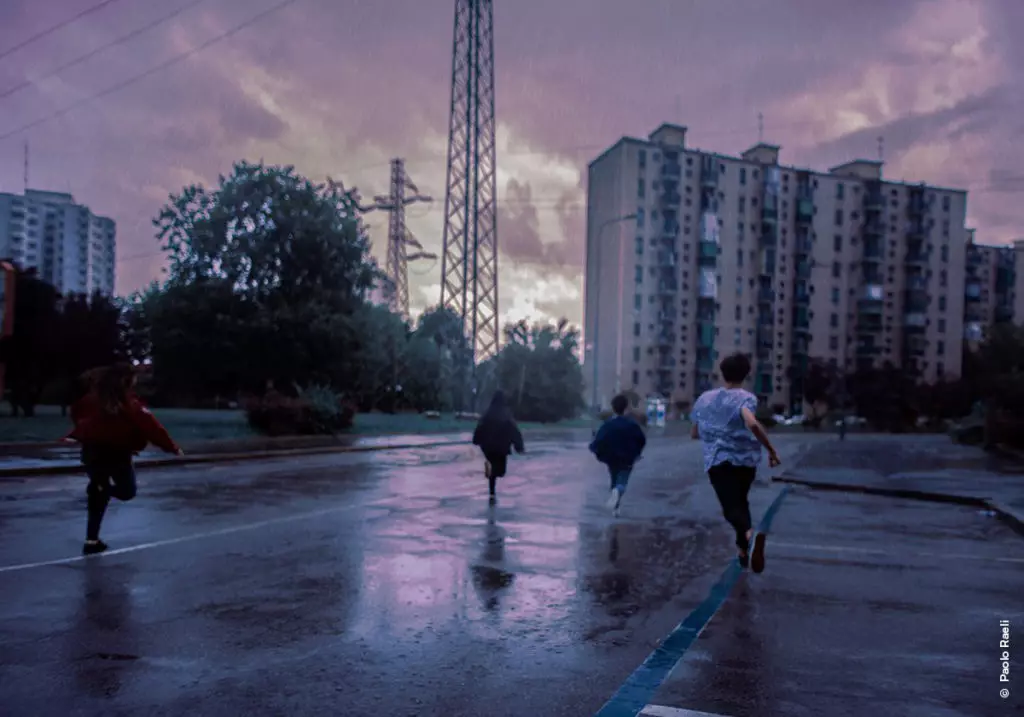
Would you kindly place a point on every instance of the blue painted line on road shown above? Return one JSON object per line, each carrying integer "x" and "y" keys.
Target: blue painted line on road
{"x": 639, "y": 688}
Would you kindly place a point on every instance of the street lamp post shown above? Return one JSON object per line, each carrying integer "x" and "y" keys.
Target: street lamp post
{"x": 593, "y": 341}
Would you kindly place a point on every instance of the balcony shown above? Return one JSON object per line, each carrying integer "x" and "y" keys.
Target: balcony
{"x": 873, "y": 251}
{"x": 974, "y": 331}
{"x": 803, "y": 270}
{"x": 763, "y": 384}
{"x": 915, "y": 321}
{"x": 916, "y": 230}
{"x": 804, "y": 246}
{"x": 770, "y": 210}
{"x": 972, "y": 292}
{"x": 707, "y": 250}
{"x": 874, "y": 202}
{"x": 916, "y": 206}
{"x": 670, "y": 228}
{"x": 765, "y": 295}
{"x": 1003, "y": 314}
{"x": 915, "y": 258}
{"x": 804, "y": 210}
{"x": 915, "y": 302}
{"x": 666, "y": 340}
{"x": 801, "y": 295}
{"x": 670, "y": 199}
{"x": 668, "y": 288}
{"x": 667, "y": 258}
{"x": 866, "y": 349}
{"x": 869, "y": 323}
{"x": 709, "y": 173}
{"x": 705, "y": 335}
{"x": 671, "y": 170}
{"x": 767, "y": 240}
{"x": 874, "y": 228}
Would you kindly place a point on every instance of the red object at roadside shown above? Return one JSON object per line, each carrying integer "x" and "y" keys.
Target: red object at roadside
{"x": 132, "y": 429}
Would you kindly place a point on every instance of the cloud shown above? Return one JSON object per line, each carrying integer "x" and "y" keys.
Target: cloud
{"x": 341, "y": 89}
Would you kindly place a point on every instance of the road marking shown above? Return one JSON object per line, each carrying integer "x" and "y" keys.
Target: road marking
{"x": 663, "y": 711}
{"x": 636, "y": 692}
{"x": 183, "y": 538}
{"x": 875, "y": 551}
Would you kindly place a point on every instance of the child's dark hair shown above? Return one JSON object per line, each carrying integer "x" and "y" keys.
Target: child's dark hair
{"x": 112, "y": 385}
{"x": 735, "y": 368}
{"x": 619, "y": 404}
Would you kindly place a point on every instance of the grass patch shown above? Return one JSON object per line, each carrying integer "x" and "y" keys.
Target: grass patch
{"x": 193, "y": 425}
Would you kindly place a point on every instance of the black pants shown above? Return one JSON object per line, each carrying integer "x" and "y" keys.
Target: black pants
{"x": 732, "y": 485}
{"x": 111, "y": 475}
{"x": 499, "y": 464}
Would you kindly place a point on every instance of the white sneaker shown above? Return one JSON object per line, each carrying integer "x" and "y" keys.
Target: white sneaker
{"x": 614, "y": 498}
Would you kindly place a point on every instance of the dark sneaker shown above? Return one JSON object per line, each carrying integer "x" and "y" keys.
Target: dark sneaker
{"x": 757, "y": 558}
{"x": 93, "y": 547}
{"x": 744, "y": 560}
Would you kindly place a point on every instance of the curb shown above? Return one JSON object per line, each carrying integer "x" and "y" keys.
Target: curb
{"x": 1007, "y": 515}
{"x": 75, "y": 469}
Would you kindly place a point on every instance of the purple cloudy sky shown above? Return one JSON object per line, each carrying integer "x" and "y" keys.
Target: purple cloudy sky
{"x": 338, "y": 88}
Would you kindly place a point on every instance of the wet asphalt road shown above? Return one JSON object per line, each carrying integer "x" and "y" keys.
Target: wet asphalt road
{"x": 384, "y": 584}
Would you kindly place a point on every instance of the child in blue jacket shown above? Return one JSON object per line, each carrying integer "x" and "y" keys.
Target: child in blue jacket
{"x": 618, "y": 444}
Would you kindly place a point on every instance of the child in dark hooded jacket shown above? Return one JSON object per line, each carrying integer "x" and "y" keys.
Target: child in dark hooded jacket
{"x": 618, "y": 444}
{"x": 497, "y": 434}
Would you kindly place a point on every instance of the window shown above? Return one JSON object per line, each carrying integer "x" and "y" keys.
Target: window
{"x": 640, "y": 217}
{"x": 739, "y": 258}
{"x": 942, "y": 278}
{"x": 834, "y": 321}
{"x": 743, "y": 204}
{"x": 941, "y": 347}
{"x": 945, "y": 203}
{"x": 642, "y": 156}
{"x": 835, "y": 295}
{"x": 839, "y": 190}
{"x": 638, "y": 302}
{"x": 837, "y": 270}
{"x": 639, "y": 275}
{"x": 639, "y": 246}
{"x": 640, "y": 188}
{"x": 942, "y": 326}
{"x": 636, "y": 377}
{"x": 944, "y": 252}
{"x": 833, "y": 341}
{"x": 942, "y": 303}
{"x": 839, "y": 216}
{"x": 837, "y": 243}
{"x": 945, "y": 227}
{"x": 636, "y": 354}
{"x": 739, "y": 313}
{"x": 743, "y": 181}
{"x": 636, "y": 329}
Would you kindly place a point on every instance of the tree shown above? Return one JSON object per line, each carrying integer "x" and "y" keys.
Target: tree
{"x": 31, "y": 354}
{"x": 887, "y": 397}
{"x": 275, "y": 237}
{"x": 89, "y": 334}
{"x": 268, "y": 278}
{"x": 820, "y": 383}
{"x": 443, "y": 327}
{"x": 539, "y": 370}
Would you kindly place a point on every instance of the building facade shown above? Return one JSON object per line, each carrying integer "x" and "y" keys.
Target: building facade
{"x": 693, "y": 255}
{"x": 68, "y": 245}
{"x": 993, "y": 287}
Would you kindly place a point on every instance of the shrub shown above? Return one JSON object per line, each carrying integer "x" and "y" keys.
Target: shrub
{"x": 317, "y": 410}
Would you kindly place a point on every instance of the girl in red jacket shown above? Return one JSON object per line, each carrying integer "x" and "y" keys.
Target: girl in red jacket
{"x": 112, "y": 425}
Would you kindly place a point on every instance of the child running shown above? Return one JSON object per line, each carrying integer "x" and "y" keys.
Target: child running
{"x": 723, "y": 419}
{"x": 112, "y": 426}
{"x": 618, "y": 444}
{"x": 497, "y": 434}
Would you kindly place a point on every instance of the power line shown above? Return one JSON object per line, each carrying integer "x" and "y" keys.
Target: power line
{"x": 58, "y": 26}
{"x": 92, "y": 53}
{"x": 150, "y": 72}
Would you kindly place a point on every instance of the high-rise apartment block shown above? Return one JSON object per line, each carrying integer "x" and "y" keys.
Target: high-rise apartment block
{"x": 693, "y": 255}
{"x": 993, "y": 287}
{"x": 67, "y": 244}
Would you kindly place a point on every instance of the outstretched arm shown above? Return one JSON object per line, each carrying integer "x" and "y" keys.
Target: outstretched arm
{"x": 760, "y": 434}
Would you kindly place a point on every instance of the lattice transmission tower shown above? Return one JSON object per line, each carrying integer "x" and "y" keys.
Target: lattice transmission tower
{"x": 469, "y": 262}
{"x": 402, "y": 193}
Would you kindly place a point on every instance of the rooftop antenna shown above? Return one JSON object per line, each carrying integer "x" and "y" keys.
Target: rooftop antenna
{"x": 760, "y": 127}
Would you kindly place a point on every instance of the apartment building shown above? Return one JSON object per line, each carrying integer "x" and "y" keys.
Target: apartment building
{"x": 993, "y": 287}
{"x": 694, "y": 255}
{"x": 67, "y": 244}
